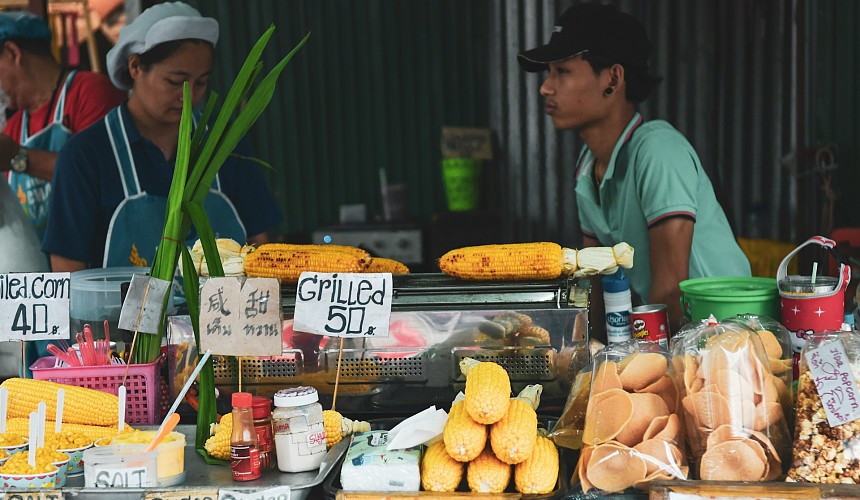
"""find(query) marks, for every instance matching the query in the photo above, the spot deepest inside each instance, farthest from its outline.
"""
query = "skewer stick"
(240, 373)
(337, 374)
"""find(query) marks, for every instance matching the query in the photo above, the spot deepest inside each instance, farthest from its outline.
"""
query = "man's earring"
(609, 91)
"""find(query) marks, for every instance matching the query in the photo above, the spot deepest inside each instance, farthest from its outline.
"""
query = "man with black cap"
(51, 104)
(637, 181)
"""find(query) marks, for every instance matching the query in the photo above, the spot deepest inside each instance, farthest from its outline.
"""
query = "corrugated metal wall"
(727, 69)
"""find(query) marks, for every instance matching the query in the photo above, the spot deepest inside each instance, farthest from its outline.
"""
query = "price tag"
(241, 319)
(834, 382)
(191, 494)
(278, 493)
(343, 304)
(130, 477)
(34, 306)
(144, 303)
(34, 495)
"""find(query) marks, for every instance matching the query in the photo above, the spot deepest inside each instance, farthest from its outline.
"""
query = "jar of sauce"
(299, 430)
(262, 411)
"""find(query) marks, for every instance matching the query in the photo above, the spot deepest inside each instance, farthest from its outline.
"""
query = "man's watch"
(19, 162)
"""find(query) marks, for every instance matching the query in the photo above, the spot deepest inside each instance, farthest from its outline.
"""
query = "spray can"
(617, 303)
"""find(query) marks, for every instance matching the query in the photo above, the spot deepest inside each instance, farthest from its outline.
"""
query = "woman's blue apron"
(34, 193)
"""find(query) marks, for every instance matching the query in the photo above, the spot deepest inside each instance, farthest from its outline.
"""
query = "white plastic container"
(120, 466)
(299, 430)
(171, 454)
(617, 303)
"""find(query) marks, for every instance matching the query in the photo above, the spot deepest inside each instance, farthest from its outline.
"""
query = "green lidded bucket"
(461, 177)
(725, 297)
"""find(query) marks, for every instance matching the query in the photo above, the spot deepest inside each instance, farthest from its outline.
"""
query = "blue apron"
(35, 193)
(137, 224)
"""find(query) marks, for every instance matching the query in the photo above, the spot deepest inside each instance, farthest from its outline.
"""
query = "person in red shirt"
(51, 105)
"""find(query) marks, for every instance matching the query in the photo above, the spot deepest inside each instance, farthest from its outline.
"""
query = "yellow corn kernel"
(516, 261)
(218, 445)
(383, 265)
(440, 472)
(66, 440)
(90, 432)
(463, 437)
(338, 427)
(488, 474)
(513, 437)
(488, 390)
(538, 474)
(82, 405)
(287, 262)
(12, 438)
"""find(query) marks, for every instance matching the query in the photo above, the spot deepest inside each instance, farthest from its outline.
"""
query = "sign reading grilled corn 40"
(343, 304)
(34, 306)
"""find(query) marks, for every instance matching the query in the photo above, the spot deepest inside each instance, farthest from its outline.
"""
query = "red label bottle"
(244, 454)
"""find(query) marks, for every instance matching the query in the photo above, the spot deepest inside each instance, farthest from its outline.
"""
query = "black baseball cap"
(594, 28)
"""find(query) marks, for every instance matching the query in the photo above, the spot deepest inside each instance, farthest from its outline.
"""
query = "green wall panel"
(371, 89)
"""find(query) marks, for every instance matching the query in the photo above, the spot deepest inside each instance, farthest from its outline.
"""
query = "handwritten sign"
(343, 304)
(34, 306)
(834, 382)
(144, 303)
(277, 493)
(34, 495)
(239, 319)
(130, 477)
(180, 494)
(463, 142)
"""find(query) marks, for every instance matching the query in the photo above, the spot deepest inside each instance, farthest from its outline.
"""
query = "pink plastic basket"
(143, 391)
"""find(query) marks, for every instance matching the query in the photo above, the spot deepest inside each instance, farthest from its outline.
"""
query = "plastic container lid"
(242, 399)
(261, 406)
(95, 293)
(617, 282)
(297, 396)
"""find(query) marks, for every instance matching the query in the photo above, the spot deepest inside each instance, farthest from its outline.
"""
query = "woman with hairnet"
(112, 180)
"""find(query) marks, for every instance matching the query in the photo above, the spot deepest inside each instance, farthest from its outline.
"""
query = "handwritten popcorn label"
(835, 383)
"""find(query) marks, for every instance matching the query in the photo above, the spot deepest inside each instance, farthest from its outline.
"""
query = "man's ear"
(616, 75)
(13, 50)
(134, 68)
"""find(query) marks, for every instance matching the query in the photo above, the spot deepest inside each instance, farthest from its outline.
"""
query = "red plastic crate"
(143, 391)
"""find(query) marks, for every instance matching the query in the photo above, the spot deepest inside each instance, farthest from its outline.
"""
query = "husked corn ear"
(513, 437)
(516, 261)
(464, 438)
(287, 262)
(538, 474)
(383, 265)
(19, 425)
(440, 472)
(338, 427)
(488, 390)
(218, 444)
(82, 405)
(488, 474)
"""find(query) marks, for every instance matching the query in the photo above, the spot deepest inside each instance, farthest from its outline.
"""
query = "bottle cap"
(261, 406)
(297, 396)
(242, 399)
(615, 283)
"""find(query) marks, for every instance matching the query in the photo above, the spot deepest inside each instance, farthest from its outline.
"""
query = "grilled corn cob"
(516, 261)
(488, 474)
(82, 405)
(440, 472)
(338, 427)
(21, 426)
(218, 444)
(513, 437)
(287, 262)
(539, 473)
(488, 390)
(382, 265)
(463, 437)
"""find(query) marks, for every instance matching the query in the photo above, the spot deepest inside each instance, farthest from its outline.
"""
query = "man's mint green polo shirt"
(655, 173)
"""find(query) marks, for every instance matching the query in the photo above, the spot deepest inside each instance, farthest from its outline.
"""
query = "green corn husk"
(199, 156)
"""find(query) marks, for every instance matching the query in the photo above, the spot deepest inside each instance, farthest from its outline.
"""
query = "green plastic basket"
(725, 297)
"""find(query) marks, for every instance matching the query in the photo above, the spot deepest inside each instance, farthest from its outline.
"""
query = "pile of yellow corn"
(82, 405)
(486, 409)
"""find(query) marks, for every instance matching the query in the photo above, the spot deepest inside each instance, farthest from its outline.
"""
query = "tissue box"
(369, 466)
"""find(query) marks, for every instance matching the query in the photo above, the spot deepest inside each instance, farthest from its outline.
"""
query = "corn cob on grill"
(287, 262)
(383, 265)
(516, 261)
(82, 405)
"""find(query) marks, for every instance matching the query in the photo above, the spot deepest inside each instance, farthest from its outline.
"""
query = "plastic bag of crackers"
(827, 435)
(733, 406)
(632, 433)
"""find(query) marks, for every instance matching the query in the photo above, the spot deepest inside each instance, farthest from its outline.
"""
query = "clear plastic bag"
(825, 453)
(733, 406)
(632, 433)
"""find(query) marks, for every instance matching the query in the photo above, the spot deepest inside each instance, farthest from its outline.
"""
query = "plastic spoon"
(42, 408)
(120, 393)
(61, 400)
(32, 445)
(4, 399)
(166, 428)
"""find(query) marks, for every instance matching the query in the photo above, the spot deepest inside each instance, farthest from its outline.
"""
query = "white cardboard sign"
(834, 382)
(144, 303)
(239, 319)
(276, 493)
(34, 306)
(344, 304)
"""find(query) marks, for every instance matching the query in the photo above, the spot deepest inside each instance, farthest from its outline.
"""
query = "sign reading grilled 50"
(343, 304)
(34, 306)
